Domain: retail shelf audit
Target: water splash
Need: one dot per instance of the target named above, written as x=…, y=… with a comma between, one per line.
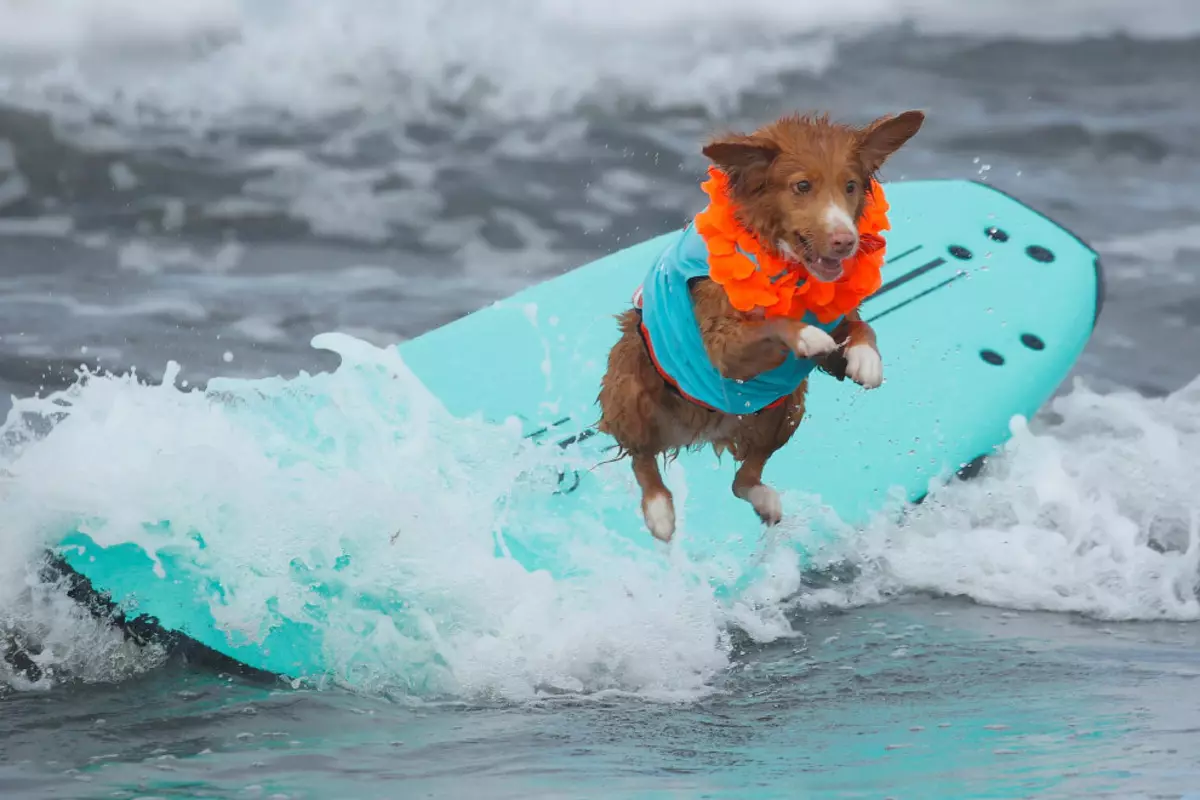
x=360, y=482
x=354, y=501
x=411, y=59
x=1095, y=514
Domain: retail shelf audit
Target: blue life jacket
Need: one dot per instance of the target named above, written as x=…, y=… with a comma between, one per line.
x=669, y=324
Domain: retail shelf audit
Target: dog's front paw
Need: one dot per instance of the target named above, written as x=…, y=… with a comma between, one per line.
x=811, y=341
x=864, y=366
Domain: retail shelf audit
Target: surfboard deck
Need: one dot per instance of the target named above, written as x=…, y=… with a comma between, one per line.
x=985, y=307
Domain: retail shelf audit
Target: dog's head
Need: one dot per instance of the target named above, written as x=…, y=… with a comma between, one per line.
x=800, y=183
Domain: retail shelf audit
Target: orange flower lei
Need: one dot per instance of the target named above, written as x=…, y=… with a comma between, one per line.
x=783, y=288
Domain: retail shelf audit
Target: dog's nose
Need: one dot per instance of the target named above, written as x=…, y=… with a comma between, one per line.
x=843, y=243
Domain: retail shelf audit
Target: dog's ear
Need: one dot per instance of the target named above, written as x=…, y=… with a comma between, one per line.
x=745, y=159
x=740, y=152
x=886, y=135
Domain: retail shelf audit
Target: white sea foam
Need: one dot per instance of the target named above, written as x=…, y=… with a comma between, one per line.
x=340, y=82
x=1098, y=514
x=1095, y=514
x=198, y=61
x=362, y=464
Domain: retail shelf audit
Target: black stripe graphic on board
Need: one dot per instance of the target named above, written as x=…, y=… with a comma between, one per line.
x=554, y=424
x=908, y=276
x=899, y=256
x=917, y=296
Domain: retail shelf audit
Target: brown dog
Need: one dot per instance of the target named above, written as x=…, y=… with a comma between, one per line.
x=796, y=190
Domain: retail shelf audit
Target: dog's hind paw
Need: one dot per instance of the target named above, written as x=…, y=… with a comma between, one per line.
x=811, y=342
x=659, y=513
x=863, y=366
x=766, y=503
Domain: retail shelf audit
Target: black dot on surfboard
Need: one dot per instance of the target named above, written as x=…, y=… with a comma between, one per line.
x=991, y=357
x=1032, y=342
x=1039, y=253
x=959, y=252
x=996, y=234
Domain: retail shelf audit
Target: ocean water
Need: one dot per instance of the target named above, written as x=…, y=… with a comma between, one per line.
x=195, y=190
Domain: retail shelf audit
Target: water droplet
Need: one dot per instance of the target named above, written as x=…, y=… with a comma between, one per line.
x=227, y=357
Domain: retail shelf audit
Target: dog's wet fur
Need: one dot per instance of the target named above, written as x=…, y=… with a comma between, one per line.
x=799, y=185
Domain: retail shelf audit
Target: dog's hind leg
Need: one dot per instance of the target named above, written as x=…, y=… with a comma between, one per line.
x=658, y=508
x=748, y=485
x=757, y=439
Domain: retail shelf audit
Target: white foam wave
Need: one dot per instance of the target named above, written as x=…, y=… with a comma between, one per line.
x=292, y=482
x=38, y=28
x=287, y=478
x=152, y=258
x=1162, y=247
x=516, y=58
x=1098, y=514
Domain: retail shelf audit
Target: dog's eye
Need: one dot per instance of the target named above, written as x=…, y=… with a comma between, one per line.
x=850, y=187
x=802, y=187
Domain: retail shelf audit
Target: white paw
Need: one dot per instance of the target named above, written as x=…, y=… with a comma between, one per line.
x=812, y=342
x=766, y=502
x=863, y=366
x=659, y=512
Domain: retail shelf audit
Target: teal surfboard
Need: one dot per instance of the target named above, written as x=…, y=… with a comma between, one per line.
x=985, y=307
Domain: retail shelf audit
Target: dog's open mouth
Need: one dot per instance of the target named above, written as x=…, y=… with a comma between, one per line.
x=824, y=269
